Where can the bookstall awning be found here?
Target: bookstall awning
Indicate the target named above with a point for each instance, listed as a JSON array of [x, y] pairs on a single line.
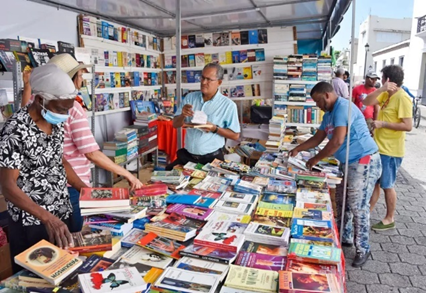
[[314, 19]]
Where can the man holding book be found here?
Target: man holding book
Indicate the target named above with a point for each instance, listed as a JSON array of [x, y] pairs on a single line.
[[80, 147], [33, 171], [204, 144], [364, 167]]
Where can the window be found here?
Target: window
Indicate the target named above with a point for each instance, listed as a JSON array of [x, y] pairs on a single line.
[[375, 66], [384, 63], [392, 61], [401, 61]]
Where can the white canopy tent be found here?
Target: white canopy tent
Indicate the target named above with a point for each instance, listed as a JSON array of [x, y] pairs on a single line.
[[313, 19]]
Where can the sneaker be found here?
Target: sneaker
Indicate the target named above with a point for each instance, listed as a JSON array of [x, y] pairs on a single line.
[[382, 227], [360, 259]]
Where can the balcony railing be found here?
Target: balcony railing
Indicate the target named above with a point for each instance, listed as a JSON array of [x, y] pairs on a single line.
[[421, 24]]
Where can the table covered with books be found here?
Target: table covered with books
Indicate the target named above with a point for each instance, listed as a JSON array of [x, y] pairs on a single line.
[[221, 227]]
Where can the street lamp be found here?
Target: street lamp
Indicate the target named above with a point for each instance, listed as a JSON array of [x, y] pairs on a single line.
[[367, 46]]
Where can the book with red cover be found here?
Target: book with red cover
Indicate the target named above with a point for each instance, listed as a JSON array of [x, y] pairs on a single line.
[[205, 193], [161, 245], [104, 197], [298, 282], [152, 189], [310, 268], [91, 240], [219, 240], [261, 261], [181, 220]]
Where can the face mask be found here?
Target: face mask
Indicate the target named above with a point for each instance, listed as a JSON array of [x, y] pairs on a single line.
[[53, 118]]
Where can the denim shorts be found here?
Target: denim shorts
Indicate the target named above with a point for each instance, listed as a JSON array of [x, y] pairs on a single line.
[[390, 166]]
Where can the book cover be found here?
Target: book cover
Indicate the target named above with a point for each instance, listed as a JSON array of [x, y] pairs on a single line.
[[64, 47], [122, 280], [132, 237], [251, 279], [191, 41], [261, 261], [208, 40], [193, 212], [239, 197], [225, 241], [310, 268], [272, 220], [278, 198], [300, 282], [205, 193], [253, 37], [91, 240], [199, 41], [251, 55], [48, 261], [39, 57], [202, 266], [261, 248], [178, 280], [312, 214], [209, 253], [244, 35], [314, 253], [312, 230], [181, 220], [95, 263], [208, 58], [281, 186], [161, 245], [267, 234], [191, 60], [217, 40], [260, 55], [175, 232], [235, 38], [96, 197], [142, 258], [224, 39], [262, 36], [199, 60], [225, 227], [234, 207]]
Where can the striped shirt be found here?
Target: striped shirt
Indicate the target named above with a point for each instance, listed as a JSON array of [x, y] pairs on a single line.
[[78, 141]]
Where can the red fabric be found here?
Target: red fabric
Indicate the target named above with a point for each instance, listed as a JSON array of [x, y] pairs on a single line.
[[167, 138], [356, 95]]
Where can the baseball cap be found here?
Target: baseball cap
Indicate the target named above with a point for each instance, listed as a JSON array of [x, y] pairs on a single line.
[[372, 75], [68, 64]]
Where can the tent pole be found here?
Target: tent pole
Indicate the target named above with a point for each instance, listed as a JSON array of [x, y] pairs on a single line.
[[345, 180], [178, 93]]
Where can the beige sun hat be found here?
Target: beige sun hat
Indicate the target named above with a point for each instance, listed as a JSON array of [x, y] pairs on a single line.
[[68, 64]]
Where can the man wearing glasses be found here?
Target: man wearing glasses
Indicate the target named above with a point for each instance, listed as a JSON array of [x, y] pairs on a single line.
[[360, 92], [203, 145]]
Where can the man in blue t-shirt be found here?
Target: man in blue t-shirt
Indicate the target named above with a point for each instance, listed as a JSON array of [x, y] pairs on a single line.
[[364, 163]]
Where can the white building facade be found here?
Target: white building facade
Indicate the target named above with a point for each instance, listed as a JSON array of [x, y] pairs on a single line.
[[378, 33], [394, 54]]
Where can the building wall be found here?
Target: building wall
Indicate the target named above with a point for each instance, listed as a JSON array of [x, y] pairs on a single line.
[[387, 56], [379, 33], [416, 61]]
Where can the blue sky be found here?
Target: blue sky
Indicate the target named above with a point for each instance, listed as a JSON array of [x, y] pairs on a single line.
[[382, 8]]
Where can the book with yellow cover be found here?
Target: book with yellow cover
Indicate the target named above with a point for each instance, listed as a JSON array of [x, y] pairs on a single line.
[[48, 261], [274, 213], [247, 74], [208, 58], [256, 280], [228, 57]]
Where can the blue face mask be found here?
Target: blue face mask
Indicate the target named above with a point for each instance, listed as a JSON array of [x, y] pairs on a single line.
[[53, 118]]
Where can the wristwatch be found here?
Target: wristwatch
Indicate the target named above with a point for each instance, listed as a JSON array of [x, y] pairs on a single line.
[[217, 128]]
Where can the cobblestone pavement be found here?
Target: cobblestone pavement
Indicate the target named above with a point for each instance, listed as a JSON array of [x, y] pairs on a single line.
[[398, 260]]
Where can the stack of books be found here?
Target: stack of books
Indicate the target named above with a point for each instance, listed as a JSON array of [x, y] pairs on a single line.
[[150, 140], [297, 93], [276, 128], [294, 66], [280, 67], [325, 72], [116, 151], [309, 67], [129, 137]]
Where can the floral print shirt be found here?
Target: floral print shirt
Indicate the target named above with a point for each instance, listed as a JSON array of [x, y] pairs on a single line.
[[38, 157]]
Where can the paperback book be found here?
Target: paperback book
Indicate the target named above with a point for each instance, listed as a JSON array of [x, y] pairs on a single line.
[[221, 240], [161, 245], [310, 268], [261, 261], [239, 197], [141, 258], [104, 197], [314, 253], [251, 279], [193, 212], [312, 230], [234, 207], [202, 266], [260, 248], [300, 282], [209, 253], [267, 234]]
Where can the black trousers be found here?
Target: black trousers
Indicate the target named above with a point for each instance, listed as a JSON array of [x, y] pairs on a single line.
[[183, 157], [23, 237]]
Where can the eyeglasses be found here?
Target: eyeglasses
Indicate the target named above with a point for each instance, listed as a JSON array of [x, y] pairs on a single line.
[[207, 79]]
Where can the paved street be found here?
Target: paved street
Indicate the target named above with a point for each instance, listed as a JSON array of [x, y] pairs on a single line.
[[398, 261]]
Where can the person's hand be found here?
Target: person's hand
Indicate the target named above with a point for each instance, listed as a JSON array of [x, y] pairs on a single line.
[[134, 182], [26, 77], [312, 162], [187, 111], [210, 127], [389, 86], [58, 232], [293, 152], [377, 124]]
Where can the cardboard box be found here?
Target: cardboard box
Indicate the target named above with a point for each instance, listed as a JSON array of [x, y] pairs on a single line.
[[5, 263]]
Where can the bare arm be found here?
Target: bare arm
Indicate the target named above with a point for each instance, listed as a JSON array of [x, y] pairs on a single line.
[[72, 177], [406, 124], [376, 112], [388, 86], [178, 121], [100, 160], [331, 147], [314, 141], [228, 133], [26, 94], [58, 232]]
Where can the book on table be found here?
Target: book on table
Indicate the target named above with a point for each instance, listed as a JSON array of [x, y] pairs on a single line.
[[256, 280], [300, 282], [104, 197], [202, 266]]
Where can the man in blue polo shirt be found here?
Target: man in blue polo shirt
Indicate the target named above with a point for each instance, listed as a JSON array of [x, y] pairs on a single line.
[[203, 145], [364, 163]]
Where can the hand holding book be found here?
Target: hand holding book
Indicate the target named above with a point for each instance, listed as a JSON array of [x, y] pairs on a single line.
[[58, 232]]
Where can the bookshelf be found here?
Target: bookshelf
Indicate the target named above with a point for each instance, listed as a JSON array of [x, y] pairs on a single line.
[[294, 77]]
